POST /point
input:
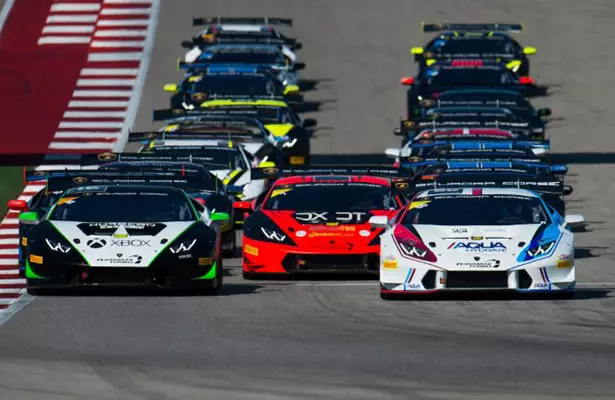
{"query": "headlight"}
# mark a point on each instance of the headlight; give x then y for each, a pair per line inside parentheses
(541, 249)
(54, 245)
(182, 247)
(417, 251)
(273, 235)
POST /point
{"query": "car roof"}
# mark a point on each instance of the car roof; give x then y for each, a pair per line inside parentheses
(469, 190)
(126, 188)
(479, 91)
(243, 102)
(293, 180)
(265, 47)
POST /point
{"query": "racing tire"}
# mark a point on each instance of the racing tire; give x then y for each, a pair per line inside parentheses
(230, 253)
(218, 281)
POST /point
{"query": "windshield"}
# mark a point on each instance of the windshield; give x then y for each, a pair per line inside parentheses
(264, 114)
(473, 46)
(344, 196)
(468, 76)
(476, 210)
(215, 157)
(246, 58)
(236, 85)
(123, 206)
(49, 200)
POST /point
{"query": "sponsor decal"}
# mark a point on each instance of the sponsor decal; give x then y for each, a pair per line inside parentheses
(67, 200)
(206, 261)
(96, 243)
(491, 247)
(270, 171)
(323, 217)
(412, 286)
(542, 285)
(364, 233)
(476, 238)
(330, 234)
(418, 204)
(36, 259)
(460, 230)
(120, 235)
(250, 250)
(442, 281)
(24, 241)
(278, 192)
(390, 262)
(301, 233)
(401, 185)
(107, 157)
(128, 225)
(481, 264)
(332, 223)
(130, 242)
(80, 179)
(564, 264)
(133, 259)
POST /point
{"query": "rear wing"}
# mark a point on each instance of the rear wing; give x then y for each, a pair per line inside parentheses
(208, 116)
(497, 103)
(372, 170)
(200, 21)
(543, 185)
(510, 166)
(191, 135)
(200, 65)
(32, 176)
(492, 27)
(411, 127)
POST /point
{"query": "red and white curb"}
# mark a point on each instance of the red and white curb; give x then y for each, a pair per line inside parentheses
(120, 38)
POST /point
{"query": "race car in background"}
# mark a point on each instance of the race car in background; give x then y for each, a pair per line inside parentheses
(125, 235)
(240, 30)
(506, 238)
(261, 56)
(282, 143)
(511, 100)
(475, 41)
(465, 74)
(315, 220)
(225, 82)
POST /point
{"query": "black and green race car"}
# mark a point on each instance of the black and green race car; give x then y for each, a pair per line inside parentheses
(125, 235)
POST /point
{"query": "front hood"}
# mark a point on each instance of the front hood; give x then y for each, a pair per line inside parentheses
(349, 230)
(120, 244)
(477, 247)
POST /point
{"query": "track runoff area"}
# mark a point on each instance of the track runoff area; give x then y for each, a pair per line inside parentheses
(81, 65)
(469, 125)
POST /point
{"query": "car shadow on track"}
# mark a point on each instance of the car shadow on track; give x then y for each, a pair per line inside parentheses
(307, 85)
(313, 106)
(579, 295)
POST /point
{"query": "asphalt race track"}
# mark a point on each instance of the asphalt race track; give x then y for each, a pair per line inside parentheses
(337, 339)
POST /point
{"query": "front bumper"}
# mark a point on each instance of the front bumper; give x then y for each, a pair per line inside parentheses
(270, 258)
(424, 280)
(77, 275)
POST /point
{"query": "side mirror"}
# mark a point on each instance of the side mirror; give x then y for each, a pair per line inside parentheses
(231, 189)
(398, 132)
(407, 81)
(266, 164)
(544, 112)
(297, 46)
(309, 123)
(299, 66)
(170, 87)
(28, 218)
(574, 220)
(187, 44)
(292, 90)
(529, 50)
(379, 221)
(200, 201)
(242, 205)
(220, 217)
(18, 205)
(392, 152)
(417, 51)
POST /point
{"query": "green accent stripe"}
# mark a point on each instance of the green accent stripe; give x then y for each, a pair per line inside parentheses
(31, 274)
(208, 276)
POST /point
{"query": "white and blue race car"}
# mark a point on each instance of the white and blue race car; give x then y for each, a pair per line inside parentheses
(477, 239)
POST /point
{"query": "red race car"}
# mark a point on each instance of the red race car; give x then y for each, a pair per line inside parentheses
(316, 220)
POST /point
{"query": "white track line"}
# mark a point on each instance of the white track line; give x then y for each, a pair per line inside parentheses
(16, 306)
(81, 145)
(68, 29)
(125, 11)
(127, 1)
(75, 7)
(4, 14)
(68, 167)
(109, 71)
(97, 104)
(64, 40)
(94, 114)
(72, 18)
(105, 82)
(140, 83)
(102, 93)
(90, 124)
(123, 22)
(85, 134)
(119, 33)
(118, 43)
(94, 57)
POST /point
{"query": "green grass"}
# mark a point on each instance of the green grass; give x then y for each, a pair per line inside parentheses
(11, 184)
